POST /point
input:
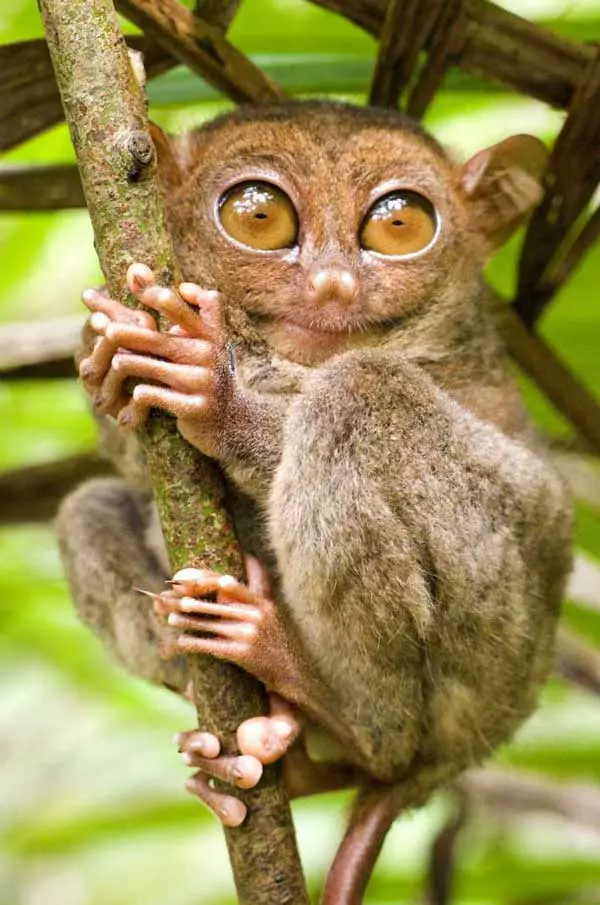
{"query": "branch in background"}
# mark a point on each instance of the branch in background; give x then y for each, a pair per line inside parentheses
(34, 493)
(27, 188)
(442, 857)
(40, 348)
(217, 12)
(202, 47)
(577, 661)
(508, 794)
(501, 46)
(547, 370)
(580, 471)
(399, 48)
(29, 98)
(105, 109)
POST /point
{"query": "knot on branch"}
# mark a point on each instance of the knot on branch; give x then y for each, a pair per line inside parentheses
(139, 145)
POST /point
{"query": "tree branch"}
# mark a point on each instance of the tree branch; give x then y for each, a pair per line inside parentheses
(40, 188)
(31, 347)
(34, 493)
(507, 793)
(552, 376)
(29, 98)
(203, 47)
(105, 109)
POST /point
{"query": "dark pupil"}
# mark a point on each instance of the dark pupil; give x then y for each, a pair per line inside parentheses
(260, 216)
(397, 222)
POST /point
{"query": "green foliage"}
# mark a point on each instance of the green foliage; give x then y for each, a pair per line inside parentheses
(93, 807)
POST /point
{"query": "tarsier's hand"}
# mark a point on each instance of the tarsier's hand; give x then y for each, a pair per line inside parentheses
(184, 371)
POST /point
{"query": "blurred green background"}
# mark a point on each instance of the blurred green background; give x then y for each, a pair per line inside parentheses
(93, 810)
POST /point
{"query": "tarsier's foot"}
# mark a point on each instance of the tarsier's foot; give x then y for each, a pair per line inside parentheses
(178, 370)
(262, 740)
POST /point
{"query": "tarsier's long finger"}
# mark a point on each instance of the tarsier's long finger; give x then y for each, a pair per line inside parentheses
(146, 397)
(223, 628)
(233, 651)
(142, 282)
(230, 811)
(164, 345)
(259, 583)
(95, 366)
(268, 738)
(166, 603)
(205, 744)
(184, 378)
(207, 300)
(199, 582)
(169, 303)
(243, 772)
(97, 300)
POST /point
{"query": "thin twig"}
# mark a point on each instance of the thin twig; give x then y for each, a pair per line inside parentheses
(203, 47)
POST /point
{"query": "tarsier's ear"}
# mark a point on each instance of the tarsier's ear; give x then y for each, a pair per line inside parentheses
(169, 166)
(503, 184)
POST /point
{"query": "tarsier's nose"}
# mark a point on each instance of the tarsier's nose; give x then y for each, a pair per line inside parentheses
(332, 283)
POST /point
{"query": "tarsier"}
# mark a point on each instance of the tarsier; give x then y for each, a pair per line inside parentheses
(407, 540)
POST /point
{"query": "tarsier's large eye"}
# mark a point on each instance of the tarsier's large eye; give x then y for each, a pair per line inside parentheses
(400, 223)
(259, 215)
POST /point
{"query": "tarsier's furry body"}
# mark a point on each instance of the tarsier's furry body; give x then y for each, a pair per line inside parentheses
(417, 538)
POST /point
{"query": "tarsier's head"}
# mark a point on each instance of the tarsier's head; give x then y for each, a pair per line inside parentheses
(331, 224)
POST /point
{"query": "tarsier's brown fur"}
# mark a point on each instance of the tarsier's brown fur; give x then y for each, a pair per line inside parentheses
(418, 538)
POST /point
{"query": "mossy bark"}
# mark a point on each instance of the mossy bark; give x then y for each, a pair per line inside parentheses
(106, 111)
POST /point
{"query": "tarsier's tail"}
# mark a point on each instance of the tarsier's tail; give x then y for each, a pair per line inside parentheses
(375, 809)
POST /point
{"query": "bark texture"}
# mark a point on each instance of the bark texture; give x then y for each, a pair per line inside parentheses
(105, 109)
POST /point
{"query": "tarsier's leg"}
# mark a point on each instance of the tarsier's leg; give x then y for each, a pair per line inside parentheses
(106, 532)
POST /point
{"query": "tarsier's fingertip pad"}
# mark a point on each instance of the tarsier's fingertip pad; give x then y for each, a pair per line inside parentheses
(230, 811)
(139, 276)
(188, 574)
(99, 321)
(194, 294)
(86, 369)
(247, 771)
